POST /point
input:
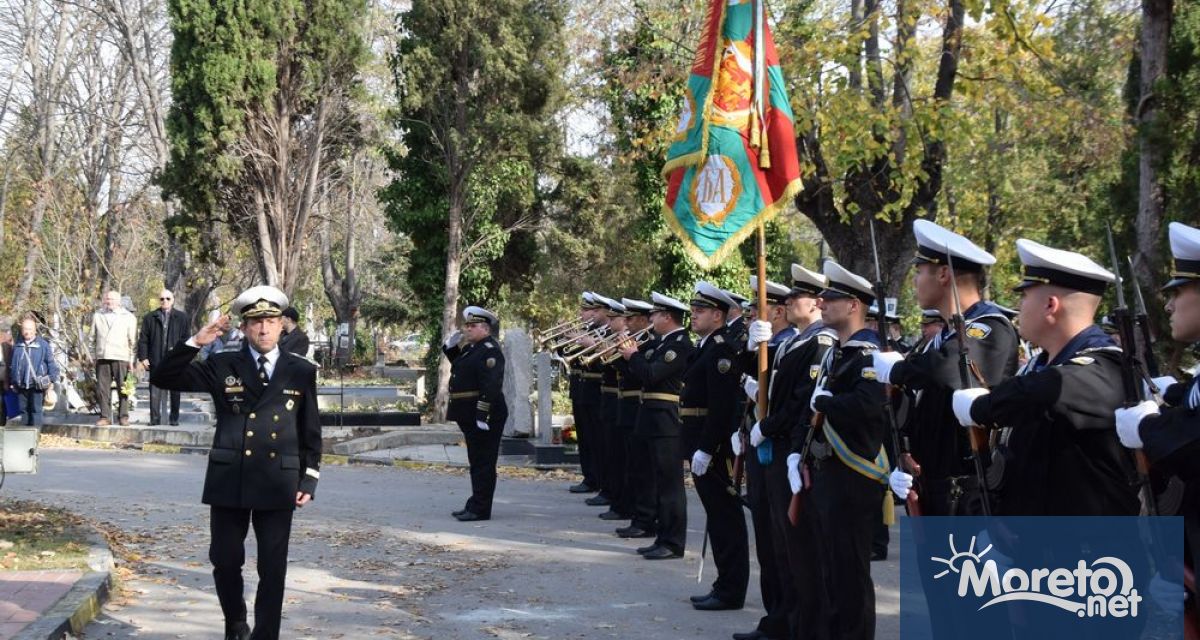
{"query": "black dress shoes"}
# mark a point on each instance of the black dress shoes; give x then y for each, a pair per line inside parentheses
(663, 553)
(459, 512)
(597, 501)
(470, 516)
(582, 487)
(753, 635)
(715, 604)
(878, 556)
(634, 532)
(240, 631)
(644, 550)
(701, 598)
(612, 515)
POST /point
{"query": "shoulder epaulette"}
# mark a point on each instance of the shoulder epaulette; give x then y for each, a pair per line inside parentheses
(719, 339)
(863, 345)
(308, 360)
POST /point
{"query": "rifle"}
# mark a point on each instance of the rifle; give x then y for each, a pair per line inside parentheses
(1143, 323)
(1131, 375)
(899, 444)
(815, 425)
(966, 368)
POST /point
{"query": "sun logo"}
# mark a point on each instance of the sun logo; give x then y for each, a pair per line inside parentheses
(957, 558)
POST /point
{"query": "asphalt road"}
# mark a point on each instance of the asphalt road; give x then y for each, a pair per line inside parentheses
(378, 556)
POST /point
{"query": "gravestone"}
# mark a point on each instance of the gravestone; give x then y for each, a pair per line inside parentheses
(518, 381)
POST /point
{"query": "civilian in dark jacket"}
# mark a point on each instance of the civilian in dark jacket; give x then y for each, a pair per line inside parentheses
(31, 358)
(161, 329)
(293, 340)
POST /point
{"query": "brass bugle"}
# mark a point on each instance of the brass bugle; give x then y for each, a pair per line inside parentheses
(562, 329)
(612, 349)
(571, 339)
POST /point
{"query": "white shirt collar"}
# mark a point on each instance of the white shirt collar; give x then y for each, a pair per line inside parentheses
(272, 357)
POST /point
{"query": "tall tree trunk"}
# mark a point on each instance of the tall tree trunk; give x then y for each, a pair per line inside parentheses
(450, 299)
(1156, 33)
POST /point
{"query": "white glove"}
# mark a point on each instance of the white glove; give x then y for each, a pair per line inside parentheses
(453, 340)
(901, 483)
(1168, 595)
(884, 361)
(794, 477)
(735, 441)
(756, 435)
(963, 399)
(700, 462)
(817, 393)
(1128, 421)
(1161, 383)
(750, 386)
(759, 331)
(482, 425)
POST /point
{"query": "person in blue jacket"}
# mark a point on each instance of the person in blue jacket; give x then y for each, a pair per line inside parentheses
(31, 371)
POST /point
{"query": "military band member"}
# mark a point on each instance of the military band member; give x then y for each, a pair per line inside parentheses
(593, 398)
(1170, 434)
(848, 463)
(661, 371)
(477, 403)
(266, 453)
(1058, 435)
(636, 475)
(708, 407)
(612, 476)
(585, 399)
(948, 484)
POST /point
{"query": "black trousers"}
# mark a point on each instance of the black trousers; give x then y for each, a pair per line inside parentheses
(848, 506)
(483, 450)
(805, 562)
(670, 495)
(585, 412)
(642, 485)
(227, 552)
(726, 526)
(613, 475)
(107, 372)
(778, 596)
(158, 398)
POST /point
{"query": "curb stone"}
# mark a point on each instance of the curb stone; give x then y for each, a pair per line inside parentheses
(82, 602)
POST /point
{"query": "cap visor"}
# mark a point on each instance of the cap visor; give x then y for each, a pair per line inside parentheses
(1175, 283)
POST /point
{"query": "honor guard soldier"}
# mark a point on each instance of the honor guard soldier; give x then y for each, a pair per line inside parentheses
(661, 371)
(593, 399)
(585, 392)
(848, 463)
(636, 473)
(708, 407)
(266, 454)
(477, 403)
(1170, 434)
(795, 361)
(612, 476)
(948, 484)
(1058, 438)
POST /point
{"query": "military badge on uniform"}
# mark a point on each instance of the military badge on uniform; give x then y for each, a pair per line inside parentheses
(814, 371)
(824, 340)
(1083, 360)
(232, 381)
(670, 356)
(868, 373)
(978, 331)
(723, 365)
(490, 362)
(290, 404)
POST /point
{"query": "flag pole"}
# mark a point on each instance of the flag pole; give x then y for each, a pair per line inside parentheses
(762, 315)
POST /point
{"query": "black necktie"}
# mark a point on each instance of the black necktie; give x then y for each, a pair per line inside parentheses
(262, 369)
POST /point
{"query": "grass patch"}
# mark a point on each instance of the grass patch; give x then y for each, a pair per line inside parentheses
(151, 447)
(35, 537)
(333, 458)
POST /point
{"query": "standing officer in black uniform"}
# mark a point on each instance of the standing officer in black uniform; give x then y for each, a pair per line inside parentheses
(643, 491)
(266, 454)
(582, 386)
(636, 465)
(1058, 434)
(948, 484)
(848, 463)
(708, 407)
(661, 371)
(612, 474)
(1170, 434)
(591, 397)
(477, 403)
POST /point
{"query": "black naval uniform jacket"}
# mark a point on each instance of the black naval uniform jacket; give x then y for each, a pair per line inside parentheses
(477, 383)
(709, 403)
(856, 408)
(794, 366)
(939, 444)
(267, 444)
(1059, 439)
(1171, 439)
(660, 369)
(630, 388)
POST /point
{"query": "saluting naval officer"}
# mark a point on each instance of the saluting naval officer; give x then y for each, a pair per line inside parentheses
(1058, 432)
(708, 408)
(660, 369)
(848, 463)
(1170, 434)
(477, 403)
(948, 485)
(266, 453)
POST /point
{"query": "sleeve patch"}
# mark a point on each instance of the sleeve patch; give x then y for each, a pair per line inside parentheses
(868, 373)
(724, 365)
(814, 371)
(490, 362)
(824, 340)
(978, 331)
(669, 356)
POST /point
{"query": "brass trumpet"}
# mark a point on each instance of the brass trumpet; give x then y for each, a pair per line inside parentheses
(561, 329)
(571, 339)
(611, 349)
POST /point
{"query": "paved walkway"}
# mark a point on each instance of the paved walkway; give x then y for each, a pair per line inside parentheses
(378, 556)
(24, 595)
